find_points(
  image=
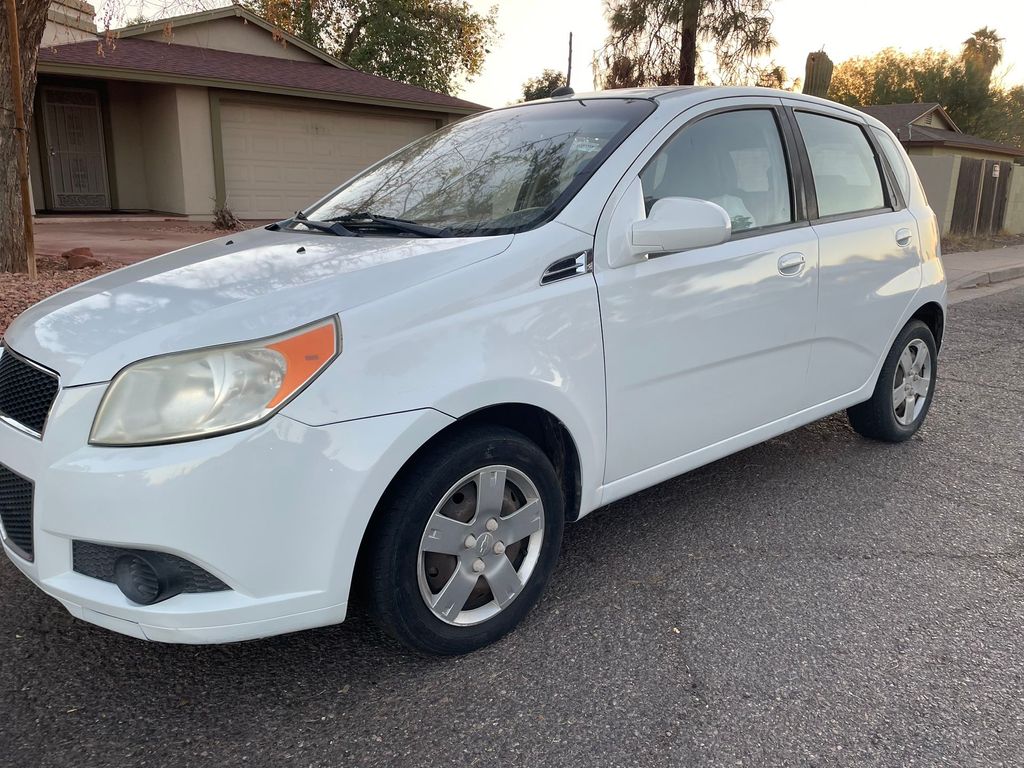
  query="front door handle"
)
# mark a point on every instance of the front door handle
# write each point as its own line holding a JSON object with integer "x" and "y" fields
{"x": 791, "y": 264}
{"x": 903, "y": 237}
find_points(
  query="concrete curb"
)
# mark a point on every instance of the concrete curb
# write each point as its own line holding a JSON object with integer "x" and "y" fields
{"x": 978, "y": 279}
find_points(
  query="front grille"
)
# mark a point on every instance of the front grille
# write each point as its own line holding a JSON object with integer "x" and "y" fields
{"x": 16, "y": 511}
{"x": 26, "y": 392}
{"x": 97, "y": 561}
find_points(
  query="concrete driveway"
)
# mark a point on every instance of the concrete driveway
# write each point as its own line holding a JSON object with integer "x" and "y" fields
{"x": 816, "y": 600}
{"x": 124, "y": 241}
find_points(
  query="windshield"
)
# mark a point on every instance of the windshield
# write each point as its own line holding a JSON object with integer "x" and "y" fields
{"x": 503, "y": 171}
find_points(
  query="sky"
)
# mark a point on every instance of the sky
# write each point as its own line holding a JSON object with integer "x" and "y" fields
{"x": 535, "y": 36}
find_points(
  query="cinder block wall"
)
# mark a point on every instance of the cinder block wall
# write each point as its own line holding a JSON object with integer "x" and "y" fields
{"x": 1013, "y": 222}
{"x": 939, "y": 175}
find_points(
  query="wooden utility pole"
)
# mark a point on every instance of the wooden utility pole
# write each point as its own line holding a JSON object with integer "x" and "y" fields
{"x": 22, "y": 131}
{"x": 568, "y": 70}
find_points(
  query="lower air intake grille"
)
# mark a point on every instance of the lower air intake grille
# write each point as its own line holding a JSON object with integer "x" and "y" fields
{"x": 26, "y": 392}
{"x": 16, "y": 511}
{"x": 97, "y": 561}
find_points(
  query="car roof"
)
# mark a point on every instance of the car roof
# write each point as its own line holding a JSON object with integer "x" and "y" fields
{"x": 699, "y": 93}
{"x": 695, "y": 94}
{"x": 683, "y": 96}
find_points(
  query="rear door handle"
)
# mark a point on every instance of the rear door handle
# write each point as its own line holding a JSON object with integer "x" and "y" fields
{"x": 791, "y": 264}
{"x": 903, "y": 237}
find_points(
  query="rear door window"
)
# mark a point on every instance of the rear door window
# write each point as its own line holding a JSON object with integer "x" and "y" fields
{"x": 843, "y": 164}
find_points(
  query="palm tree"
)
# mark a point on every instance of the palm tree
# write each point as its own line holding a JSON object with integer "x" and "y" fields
{"x": 983, "y": 49}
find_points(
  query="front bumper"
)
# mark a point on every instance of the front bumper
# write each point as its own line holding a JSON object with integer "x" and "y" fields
{"x": 276, "y": 512}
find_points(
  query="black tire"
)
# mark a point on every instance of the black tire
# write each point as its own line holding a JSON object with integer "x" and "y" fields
{"x": 392, "y": 554}
{"x": 876, "y": 419}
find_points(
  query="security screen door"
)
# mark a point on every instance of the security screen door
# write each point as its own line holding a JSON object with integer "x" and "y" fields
{"x": 74, "y": 149}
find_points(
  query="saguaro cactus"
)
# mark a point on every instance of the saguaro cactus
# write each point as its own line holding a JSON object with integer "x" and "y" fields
{"x": 817, "y": 74}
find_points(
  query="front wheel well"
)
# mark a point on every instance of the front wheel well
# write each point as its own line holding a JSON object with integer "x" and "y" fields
{"x": 537, "y": 424}
{"x": 931, "y": 314}
{"x": 548, "y": 433}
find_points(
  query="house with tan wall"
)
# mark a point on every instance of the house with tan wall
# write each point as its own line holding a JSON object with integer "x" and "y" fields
{"x": 974, "y": 185}
{"x": 208, "y": 110}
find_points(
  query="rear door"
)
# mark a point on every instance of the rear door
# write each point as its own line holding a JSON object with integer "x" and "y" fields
{"x": 869, "y": 263}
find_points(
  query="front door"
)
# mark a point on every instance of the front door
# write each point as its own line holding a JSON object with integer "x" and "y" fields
{"x": 704, "y": 345}
{"x": 74, "y": 149}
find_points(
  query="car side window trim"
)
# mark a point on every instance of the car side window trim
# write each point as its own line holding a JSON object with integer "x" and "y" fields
{"x": 792, "y": 146}
{"x": 806, "y": 177}
{"x": 794, "y": 171}
{"x": 890, "y": 201}
{"x": 746, "y": 234}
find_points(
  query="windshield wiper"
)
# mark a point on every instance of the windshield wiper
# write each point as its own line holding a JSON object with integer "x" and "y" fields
{"x": 399, "y": 225}
{"x": 333, "y": 227}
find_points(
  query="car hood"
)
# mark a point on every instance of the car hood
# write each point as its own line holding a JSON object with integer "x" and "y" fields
{"x": 234, "y": 288}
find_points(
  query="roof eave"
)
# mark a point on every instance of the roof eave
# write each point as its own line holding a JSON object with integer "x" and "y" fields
{"x": 104, "y": 72}
{"x": 1000, "y": 150}
{"x": 227, "y": 12}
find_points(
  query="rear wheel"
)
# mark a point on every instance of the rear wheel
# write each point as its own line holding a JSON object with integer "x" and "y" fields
{"x": 903, "y": 393}
{"x": 465, "y": 543}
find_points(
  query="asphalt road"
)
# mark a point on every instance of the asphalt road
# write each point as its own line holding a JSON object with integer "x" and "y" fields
{"x": 817, "y": 600}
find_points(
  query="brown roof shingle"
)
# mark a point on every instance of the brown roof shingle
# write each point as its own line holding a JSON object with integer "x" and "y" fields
{"x": 227, "y": 66}
{"x": 919, "y": 134}
{"x": 897, "y": 116}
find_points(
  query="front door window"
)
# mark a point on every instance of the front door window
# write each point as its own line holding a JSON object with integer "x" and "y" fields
{"x": 733, "y": 159}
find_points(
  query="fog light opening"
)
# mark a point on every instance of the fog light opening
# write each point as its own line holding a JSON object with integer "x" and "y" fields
{"x": 147, "y": 578}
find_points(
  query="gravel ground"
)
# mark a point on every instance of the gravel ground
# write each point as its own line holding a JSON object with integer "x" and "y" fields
{"x": 960, "y": 243}
{"x": 818, "y": 600}
{"x": 18, "y": 292}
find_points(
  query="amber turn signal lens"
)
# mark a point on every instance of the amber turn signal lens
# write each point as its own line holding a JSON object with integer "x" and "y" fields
{"x": 305, "y": 355}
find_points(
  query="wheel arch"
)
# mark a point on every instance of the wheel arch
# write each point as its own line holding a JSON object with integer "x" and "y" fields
{"x": 932, "y": 315}
{"x": 539, "y": 425}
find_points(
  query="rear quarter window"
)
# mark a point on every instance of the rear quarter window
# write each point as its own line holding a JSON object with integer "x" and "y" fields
{"x": 895, "y": 160}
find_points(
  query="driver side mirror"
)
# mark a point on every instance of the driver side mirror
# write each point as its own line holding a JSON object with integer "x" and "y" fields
{"x": 679, "y": 223}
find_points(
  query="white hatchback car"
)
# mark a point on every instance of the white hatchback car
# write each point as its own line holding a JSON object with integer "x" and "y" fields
{"x": 408, "y": 389}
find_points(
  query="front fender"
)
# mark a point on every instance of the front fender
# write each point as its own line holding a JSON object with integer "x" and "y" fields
{"x": 575, "y": 414}
{"x": 488, "y": 334}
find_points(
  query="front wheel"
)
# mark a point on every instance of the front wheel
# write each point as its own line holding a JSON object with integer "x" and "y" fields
{"x": 463, "y": 546}
{"x": 903, "y": 393}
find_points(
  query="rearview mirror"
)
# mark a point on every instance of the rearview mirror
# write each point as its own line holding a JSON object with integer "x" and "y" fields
{"x": 679, "y": 223}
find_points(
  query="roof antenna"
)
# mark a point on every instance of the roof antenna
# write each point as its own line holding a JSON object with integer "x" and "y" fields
{"x": 563, "y": 90}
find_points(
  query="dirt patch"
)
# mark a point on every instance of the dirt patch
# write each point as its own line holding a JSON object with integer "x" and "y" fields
{"x": 965, "y": 243}
{"x": 18, "y": 292}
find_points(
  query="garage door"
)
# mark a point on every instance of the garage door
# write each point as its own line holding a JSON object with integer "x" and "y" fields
{"x": 280, "y": 159}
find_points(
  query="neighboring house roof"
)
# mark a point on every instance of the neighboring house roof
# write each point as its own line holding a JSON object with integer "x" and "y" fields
{"x": 149, "y": 60}
{"x": 928, "y": 125}
{"x": 226, "y": 12}
{"x": 896, "y": 116}
{"x": 919, "y": 135}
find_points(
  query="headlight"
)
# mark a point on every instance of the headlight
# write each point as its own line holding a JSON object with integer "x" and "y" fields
{"x": 186, "y": 395}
